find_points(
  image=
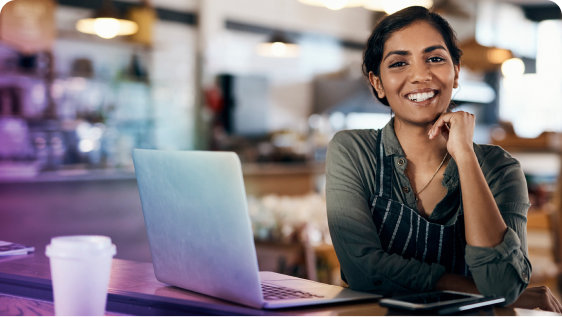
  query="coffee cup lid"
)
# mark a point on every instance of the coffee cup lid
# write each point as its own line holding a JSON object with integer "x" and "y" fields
{"x": 80, "y": 246}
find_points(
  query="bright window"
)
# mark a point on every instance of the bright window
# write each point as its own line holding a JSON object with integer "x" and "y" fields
{"x": 533, "y": 102}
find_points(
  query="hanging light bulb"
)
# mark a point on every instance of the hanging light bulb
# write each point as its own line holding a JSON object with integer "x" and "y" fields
{"x": 278, "y": 46}
{"x": 388, "y": 6}
{"x": 106, "y": 23}
{"x": 391, "y": 6}
{"x": 513, "y": 67}
{"x": 334, "y": 4}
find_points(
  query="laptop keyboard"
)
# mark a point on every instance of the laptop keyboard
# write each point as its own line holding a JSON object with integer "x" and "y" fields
{"x": 273, "y": 292}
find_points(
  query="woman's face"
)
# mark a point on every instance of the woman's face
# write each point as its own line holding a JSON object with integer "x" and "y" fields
{"x": 417, "y": 74}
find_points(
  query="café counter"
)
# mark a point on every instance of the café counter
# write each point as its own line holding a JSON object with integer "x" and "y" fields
{"x": 25, "y": 289}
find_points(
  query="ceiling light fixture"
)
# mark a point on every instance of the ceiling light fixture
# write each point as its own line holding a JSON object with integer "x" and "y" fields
{"x": 278, "y": 45}
{"x": 106, "y": 23}
{"x": 391, "y": 6}
{"x": 334, "y": 4}
{"x": 513, "y": 67}
{"x": 482, "y": 58}
{"x": 388, "y": 6}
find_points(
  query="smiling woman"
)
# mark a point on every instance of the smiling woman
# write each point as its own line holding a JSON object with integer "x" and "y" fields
{"x": 416, "y": 69}
{"x": 416, "y": 205}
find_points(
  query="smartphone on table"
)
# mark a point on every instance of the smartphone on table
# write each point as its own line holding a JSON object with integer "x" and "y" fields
{"x": 441, "y": 302}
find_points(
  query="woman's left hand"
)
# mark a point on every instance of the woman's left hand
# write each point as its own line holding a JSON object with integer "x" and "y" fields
{"x": 458, "y": 130}
{"x": 538, "y": 297}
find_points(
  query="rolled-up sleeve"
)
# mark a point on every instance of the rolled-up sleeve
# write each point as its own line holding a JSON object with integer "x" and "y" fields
{"x": 364, "y": 263}
{"x": 504, "y": 270}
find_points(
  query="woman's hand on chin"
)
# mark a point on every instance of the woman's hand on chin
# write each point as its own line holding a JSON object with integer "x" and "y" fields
{"x": 458, "y": 130}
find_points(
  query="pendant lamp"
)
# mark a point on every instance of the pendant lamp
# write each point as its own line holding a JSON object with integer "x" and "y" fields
{"x": 107, "y": 23}
{"x": 391, "y": 6}
{"x": 334, "y": 4}
{"x": 278, "y": 45}
{"x": 388, "y": 6}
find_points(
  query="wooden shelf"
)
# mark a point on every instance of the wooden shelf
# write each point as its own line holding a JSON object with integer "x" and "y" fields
{"x": 545, "y": 142}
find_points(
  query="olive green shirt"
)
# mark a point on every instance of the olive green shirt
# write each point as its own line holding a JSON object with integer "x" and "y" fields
{"x": 502, "y": 270}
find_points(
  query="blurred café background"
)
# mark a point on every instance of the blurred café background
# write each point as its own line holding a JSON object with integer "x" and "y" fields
{"x": 271, "y": 80}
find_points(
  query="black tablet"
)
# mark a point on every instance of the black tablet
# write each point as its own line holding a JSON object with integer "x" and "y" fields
{"x": 444, "y": 302}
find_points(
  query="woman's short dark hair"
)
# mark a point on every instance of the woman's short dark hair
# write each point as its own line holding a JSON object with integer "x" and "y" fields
{"x": 372, "y": 56}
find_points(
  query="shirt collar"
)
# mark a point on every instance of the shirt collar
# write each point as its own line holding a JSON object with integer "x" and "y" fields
{"x": 390, "y": 141}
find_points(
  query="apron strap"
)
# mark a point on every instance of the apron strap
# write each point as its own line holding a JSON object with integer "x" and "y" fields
{"x": 403, "y": 231}
{"x": 383, "y": 177}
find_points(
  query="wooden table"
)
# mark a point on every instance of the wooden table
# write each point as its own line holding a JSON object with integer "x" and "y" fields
{"x": 25, "y": 289}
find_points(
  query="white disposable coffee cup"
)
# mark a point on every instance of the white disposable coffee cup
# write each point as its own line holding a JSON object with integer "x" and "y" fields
{"x": 80, "y": 270}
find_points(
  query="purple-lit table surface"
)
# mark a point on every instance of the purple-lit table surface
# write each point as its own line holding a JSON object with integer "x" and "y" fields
{"x": 25, "y": 289}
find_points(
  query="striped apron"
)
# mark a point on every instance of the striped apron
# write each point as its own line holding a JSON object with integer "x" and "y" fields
{"x": 403, "y": 231}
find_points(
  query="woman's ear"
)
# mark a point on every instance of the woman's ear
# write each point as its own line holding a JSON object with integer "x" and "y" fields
{"x": 456, "y": 81}
{"x": 377, "y": 84}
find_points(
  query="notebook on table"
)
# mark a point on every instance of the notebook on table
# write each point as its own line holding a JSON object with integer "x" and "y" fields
{"x": 200, "y": 234}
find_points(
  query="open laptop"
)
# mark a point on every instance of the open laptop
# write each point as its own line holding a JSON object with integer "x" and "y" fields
{"x": 200, "y": 234}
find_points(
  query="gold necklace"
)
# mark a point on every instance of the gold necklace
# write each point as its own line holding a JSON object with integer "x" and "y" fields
{"x": 432, "y": 177}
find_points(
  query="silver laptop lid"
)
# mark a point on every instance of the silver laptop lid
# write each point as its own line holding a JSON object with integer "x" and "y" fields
{"x": 198, "y": 226}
